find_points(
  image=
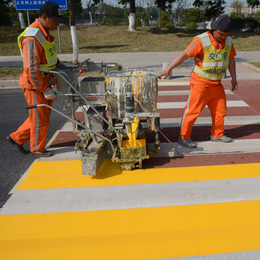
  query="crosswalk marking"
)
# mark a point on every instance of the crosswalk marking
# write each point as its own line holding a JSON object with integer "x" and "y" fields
{"x": 65, "y": 174}
{"x": 201, "y": 121}
{"x": 169, "y": 105}
{"x": 132, "y": 196}
{"x": 196, "y": 213}
{"x": 144, "y": 233}
{"x": 184, "y": 92}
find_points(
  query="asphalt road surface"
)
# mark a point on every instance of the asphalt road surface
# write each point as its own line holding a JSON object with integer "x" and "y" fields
{"x": 13, "y": 113}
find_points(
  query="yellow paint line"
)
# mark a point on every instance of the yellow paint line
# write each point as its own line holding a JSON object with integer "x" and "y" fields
{"x": 144, "y": 233}
{"x": 66, "y": 174}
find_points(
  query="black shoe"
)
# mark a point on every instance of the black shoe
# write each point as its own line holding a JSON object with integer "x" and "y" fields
{"x": 187, "y": 143}
{"x": 44, "y": 154}
{"x": 20, "y": 147}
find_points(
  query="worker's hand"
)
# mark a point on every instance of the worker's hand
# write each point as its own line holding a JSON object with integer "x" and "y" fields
{"x": 49, "y": 94}
{"x": 164, "y": 73}
{"x": 234, "y": 84}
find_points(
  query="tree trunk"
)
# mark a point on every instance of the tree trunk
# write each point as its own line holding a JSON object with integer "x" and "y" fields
{"x": 90, "y": 16}
{"x": 74, "y": 44}
{"x": 132, "y": 18}
{"x": 22, "y": 23}
{"x": 73, "y": 33}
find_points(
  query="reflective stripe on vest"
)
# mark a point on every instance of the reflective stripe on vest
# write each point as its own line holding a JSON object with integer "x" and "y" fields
{"x": 49, "y": 47}
{"x": 215, "y": 61}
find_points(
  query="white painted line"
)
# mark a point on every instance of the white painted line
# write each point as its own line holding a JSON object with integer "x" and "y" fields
{"x": 183, "y": 92}
{"x": 207, "y": 121}
{"x": 252, "y": 255}
{"x": 132, "y": 196}
{"x": 67, "y": 127}
{"x": 170, "y": 105}
{"x": 169, "y": 83}
{"x": 174, "y": 93}
{"x": 201, "y": 121}
{"x": 209, "y": 147}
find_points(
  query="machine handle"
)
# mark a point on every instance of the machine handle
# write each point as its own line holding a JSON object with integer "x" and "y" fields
{"x": 29, "y": 107}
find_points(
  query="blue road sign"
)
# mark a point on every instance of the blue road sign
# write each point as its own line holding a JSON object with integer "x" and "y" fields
{"x": 32, "y": 5}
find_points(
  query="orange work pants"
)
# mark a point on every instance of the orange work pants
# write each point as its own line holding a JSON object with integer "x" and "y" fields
{"x": 35, "y": 127}
{"x": 200, "y": 96}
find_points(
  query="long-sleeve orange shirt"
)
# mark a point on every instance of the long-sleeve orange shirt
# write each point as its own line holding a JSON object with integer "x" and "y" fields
{"x": 33, "y": 56}
{"x": 195, "y": 49}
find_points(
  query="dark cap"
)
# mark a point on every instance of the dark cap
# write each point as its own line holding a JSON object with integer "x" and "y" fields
{"x": 52, "y": 10}
{"x": 222, "y": 23}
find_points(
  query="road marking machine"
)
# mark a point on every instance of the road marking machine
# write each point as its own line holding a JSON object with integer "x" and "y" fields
{"x": 119, "y": 109}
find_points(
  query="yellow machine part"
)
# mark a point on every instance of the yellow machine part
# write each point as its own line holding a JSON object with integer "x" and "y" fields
{"x": 139, "y": 142}
{"x": 132, "y": 130}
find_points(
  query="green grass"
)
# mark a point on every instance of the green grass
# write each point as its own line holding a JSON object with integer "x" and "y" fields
{"x": 105, "y": 39}
{"x": 256, "y": 64}
{"x": 10, "y": 72}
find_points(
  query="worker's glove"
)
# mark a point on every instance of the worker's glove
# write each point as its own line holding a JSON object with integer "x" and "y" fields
{"x": 49, "y": 94}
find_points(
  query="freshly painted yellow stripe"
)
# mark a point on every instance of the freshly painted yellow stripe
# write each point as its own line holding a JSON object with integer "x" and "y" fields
{"x": 144, "y": 233}
{"x": 65, "y": 174}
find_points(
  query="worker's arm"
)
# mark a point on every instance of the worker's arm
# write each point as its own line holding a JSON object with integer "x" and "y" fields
{"x": 175, "y": 63}
{"x": 232, "y": 71}
{"x": 32, "y": 52}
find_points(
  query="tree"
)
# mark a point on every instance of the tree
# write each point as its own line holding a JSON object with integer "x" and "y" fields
{"x": 91, "y": 5}
{"x": 177, "y": 8}
{"x": 237, "y": 5}
{"x": 257, "y": 16}
{"x": 210, "y": 8}
{"x": 252, "y": 25}
{"x": 147, "y": 11}
{"x": 132, "y": 16}
{"x": 253, "y": 3}
{"x": 238, "y": 21}
{"x": 165, "y": 5}
{"x": 72, "y": 10}
{"x": 5, "y": 17}
{"x": 193, "y": 15}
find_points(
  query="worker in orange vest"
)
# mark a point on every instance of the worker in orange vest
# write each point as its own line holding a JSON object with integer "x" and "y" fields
{"x": 213, "y": 53}
{"x": 38, "y": 50}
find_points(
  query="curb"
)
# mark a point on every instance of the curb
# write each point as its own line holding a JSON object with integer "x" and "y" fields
{"x": 9, "y": 83}
{"x": 15, "y": 83}
{"x": 250, "y": 66}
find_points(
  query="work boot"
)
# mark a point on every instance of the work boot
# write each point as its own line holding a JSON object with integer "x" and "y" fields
{"x": 223, "y": 139}
{"x": 187, "y": 143}
{"x": 20, "y": 147}
{"x": 44, "y": 154}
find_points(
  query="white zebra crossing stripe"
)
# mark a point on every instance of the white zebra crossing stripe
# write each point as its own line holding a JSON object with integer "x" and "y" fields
{"x": 169, "y": 105}
{"x": 132, "y": 196}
